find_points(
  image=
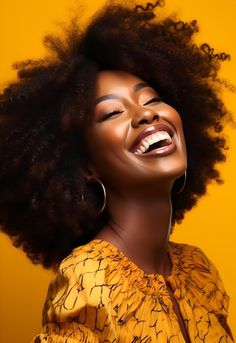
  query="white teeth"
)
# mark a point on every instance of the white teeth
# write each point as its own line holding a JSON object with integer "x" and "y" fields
{"x": 154, "y": 138}
{"x": 150, "y": 140}
{"x": 143, "y": 149}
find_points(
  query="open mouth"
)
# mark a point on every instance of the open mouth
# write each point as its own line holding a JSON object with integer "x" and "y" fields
{"x": 152, "y": 142}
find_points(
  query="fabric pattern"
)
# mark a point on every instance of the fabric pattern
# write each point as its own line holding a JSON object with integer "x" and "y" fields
{"x": 99, "y": 295}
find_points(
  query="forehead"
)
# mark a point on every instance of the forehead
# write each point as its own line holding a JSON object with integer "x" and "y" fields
{"x": 109, "y": 81}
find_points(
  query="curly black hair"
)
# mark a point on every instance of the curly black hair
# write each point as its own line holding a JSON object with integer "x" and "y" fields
{"x": 46, "y": 205}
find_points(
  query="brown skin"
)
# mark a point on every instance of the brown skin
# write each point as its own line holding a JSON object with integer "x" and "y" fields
{"x": 140, "y": 215}
{"x": 138, "y": 188}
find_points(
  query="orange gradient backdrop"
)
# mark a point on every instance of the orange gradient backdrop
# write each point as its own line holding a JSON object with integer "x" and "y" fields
{"x": 211, "y": 225}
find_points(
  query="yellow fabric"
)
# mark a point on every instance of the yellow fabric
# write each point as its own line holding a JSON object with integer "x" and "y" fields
{"x": 99, "y": 295}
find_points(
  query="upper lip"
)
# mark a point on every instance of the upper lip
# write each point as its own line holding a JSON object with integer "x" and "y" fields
{"x": 149, "y": 131}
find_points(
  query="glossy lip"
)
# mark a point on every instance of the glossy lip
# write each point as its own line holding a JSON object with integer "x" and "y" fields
{"x": 149, "y": 131}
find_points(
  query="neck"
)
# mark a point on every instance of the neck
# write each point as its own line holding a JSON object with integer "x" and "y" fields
{"x": 141, "y": 231}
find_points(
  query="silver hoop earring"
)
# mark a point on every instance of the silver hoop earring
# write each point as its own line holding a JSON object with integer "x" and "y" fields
{"x": 182, "y": 186}
{"x": 103, "y": 190}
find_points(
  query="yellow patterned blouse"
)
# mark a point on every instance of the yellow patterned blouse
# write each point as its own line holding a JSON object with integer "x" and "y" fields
{"x": 99, "y": 295}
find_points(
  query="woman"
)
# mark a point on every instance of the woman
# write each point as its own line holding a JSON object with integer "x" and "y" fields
{"x": 94, "y": 172}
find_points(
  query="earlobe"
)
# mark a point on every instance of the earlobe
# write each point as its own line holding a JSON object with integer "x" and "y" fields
{"x": 89, "y": 173}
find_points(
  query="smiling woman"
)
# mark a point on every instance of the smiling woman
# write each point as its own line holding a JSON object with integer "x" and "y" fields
{"x": 94, "y": 173}
{"x": 133, "y": 130}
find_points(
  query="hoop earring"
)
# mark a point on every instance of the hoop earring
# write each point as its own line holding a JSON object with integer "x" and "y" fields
{"x": 103, "y": 190}
{"x": 183, "y": 185}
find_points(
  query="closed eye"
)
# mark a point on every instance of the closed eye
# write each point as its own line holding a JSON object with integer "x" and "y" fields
{"x": 110, "y": 114}
{"x": 156, "y": 99}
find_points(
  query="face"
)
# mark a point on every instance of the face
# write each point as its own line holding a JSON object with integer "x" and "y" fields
{"x": 134, "y": 138}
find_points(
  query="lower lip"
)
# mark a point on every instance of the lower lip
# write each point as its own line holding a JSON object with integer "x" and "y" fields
{"x": 163, "y": 151}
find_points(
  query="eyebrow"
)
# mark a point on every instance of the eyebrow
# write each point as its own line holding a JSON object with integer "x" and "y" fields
{"x": 136, "y": 88}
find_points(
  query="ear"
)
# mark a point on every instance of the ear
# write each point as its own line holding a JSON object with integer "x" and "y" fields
{"x": 89, "y": 173}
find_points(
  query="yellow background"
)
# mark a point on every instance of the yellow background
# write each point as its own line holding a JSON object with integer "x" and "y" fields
{"x": 211, "y": 225}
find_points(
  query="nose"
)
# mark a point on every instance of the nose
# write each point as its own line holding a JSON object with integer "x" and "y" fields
{"x": 143, "y": 117}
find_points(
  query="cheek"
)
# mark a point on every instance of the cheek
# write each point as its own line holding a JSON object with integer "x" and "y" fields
{"x": 106, "y": 142}
{"x": 176, "y": 120}
{"x": 174, "y": 117}
{"x": 181, "y": 130}
{"x": 181, "y": 138}
{"x": 107, "y": 138}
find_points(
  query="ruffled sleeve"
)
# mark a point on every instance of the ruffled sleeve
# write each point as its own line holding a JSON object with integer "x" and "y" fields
{"x": 217, "y": 298}
{"x": 198, "y": 281}
{"x": 77, "y": 308}
{"x": 212, "y": 285}
{"x": 67, "y": 333}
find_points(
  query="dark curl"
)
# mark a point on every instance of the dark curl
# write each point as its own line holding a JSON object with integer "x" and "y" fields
{"x": 42, "y": 116}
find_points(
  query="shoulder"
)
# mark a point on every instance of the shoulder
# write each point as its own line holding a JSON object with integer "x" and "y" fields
{"x": 87, "y": 259}
{"x": 201, "y": 275}
{"x": 191, "y": 253}
{"x": 77, "y": 307}
{"x": 83, "y": 267}
{"x": 79, "y": 283}
{"x": 193, "y": 256}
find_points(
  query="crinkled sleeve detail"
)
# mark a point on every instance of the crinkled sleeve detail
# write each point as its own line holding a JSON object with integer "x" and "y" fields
{"x": 217, "y": 297}
{"x": 66, "y": 333}
{"x": 77, "y": 308}
{"x": 212, "y": 281}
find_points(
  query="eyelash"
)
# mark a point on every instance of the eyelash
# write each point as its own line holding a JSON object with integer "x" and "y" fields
{"x": 118, "y": 111}
{"x": 156, "y": 99}
{"x": 108, "y": 115}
